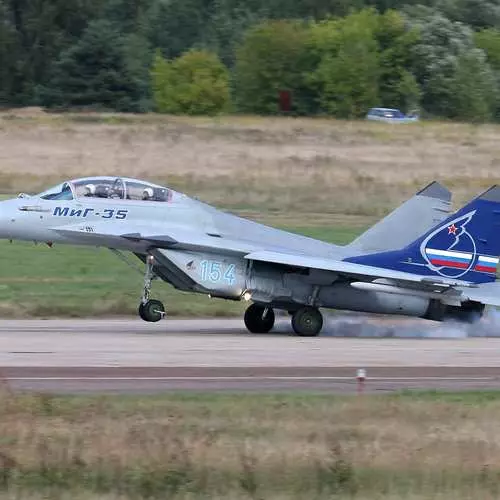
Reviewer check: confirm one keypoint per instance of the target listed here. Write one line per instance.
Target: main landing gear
(306, 321)
(150, 309)
(259, 319)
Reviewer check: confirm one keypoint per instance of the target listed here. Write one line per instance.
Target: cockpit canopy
(118, 188)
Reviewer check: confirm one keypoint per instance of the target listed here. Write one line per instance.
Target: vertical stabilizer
(415, 216)
(465, 246)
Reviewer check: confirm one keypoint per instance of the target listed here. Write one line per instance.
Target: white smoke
(356, 325)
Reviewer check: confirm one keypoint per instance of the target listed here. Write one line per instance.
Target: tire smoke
(355, 325)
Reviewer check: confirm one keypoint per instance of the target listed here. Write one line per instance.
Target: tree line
(332, 57)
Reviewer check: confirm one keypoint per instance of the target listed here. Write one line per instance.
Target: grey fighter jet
(420, 260)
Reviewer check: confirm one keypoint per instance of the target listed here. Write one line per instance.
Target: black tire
(259, 319)
(141, 312)
(152, 311)
(307, 322)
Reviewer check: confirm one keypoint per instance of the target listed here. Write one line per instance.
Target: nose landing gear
(150, 310)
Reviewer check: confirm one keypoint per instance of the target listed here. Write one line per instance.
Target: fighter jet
(419, 261)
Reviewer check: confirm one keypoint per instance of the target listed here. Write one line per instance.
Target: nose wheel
(150, 310)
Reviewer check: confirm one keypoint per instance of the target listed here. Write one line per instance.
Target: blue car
(390, 115)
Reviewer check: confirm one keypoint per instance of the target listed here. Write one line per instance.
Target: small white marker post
(361, 377)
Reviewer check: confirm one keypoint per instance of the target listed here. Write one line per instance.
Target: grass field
(194, 446)
(325, 178)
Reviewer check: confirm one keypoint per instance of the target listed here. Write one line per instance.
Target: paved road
(132, 356)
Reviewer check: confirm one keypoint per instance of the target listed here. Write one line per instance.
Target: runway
(130, 356)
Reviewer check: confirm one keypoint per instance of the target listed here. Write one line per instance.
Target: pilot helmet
(89, 190)
(148, 193)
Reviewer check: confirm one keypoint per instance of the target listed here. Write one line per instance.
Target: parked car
(390, 115)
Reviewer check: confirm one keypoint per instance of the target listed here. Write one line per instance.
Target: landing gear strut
(259, 319)
(307, 322)
(149, 309)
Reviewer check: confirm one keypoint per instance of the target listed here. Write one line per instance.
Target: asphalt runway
(130, 356)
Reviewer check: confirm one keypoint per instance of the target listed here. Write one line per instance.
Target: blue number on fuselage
(229, 274)
(215, 272)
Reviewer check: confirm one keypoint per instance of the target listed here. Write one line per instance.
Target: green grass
(250, 446)
(36, 280)
(474, 398)
(337, 235)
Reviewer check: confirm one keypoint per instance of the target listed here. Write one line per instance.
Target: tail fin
(424, 210)
(466, 245)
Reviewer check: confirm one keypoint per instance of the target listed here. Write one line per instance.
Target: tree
(397, 86)
(9, 53)
(436, 60)
(178, 25)
(272, 58)
(476, 13)
(42, 29)
(229, 21)
(196, 83)
(384, 5)
(347, 73)
(474, 88)
(128, 16)
(97, 72)
(311, 9)
(456, 79)
(489, 41)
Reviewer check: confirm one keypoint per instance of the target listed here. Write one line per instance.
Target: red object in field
(285, 100)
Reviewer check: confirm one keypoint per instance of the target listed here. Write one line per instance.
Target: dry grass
(286, 165)
(251, 447)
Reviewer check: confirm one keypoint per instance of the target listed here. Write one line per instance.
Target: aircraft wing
(353, 270)
(450, 291)
(487, 293)
(109, 234)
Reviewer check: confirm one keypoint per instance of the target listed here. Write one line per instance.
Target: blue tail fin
(465, 246)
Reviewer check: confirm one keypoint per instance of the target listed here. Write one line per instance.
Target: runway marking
(240, 378)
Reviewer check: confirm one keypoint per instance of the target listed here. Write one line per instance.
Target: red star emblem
(452, 229)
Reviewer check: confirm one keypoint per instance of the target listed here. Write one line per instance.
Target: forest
(329, 57)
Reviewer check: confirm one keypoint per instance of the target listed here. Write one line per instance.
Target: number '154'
(216, 272)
